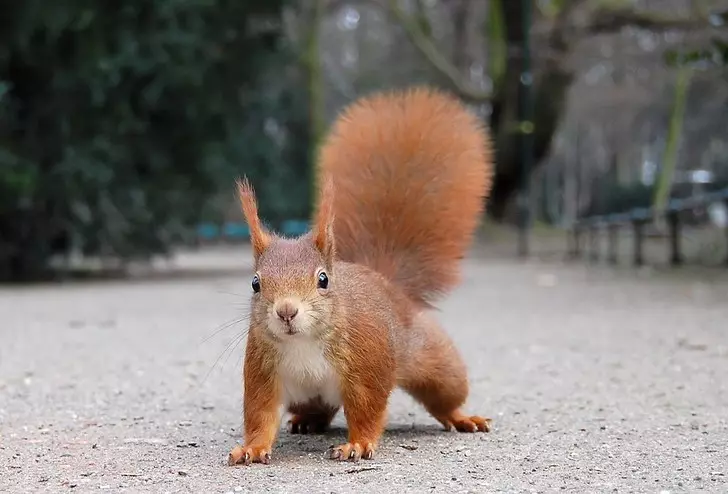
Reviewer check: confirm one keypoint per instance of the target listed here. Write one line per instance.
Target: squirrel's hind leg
(313, 417)
(433, 373)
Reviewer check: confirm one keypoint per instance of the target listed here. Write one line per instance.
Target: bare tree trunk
(550, 88)
(311, 19)
(460, 13)
(312, 63)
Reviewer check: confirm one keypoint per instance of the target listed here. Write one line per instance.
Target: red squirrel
(342, 314)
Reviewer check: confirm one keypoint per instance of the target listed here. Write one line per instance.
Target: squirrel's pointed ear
(259, 237)
(323, 231)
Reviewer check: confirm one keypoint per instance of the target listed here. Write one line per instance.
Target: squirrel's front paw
(352, 451)
(248, 454)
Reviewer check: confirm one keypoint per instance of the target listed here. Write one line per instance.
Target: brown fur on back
(411, 171)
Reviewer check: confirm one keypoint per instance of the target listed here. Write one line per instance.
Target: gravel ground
(597, 381)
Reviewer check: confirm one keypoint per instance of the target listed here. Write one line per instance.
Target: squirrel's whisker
(225, 326)
(230, 347)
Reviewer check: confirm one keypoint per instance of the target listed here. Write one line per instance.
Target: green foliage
(123, 123)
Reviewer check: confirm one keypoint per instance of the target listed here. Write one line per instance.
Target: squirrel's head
(294, 280)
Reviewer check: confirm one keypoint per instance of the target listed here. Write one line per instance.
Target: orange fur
(260, 406)
(323, 229)
(411, 170)
(258, 236)
(340, 315)
(432, 371)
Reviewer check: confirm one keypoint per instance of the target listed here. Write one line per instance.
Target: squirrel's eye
(323, 280)
(256, 284)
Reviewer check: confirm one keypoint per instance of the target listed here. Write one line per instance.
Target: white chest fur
(306, 374)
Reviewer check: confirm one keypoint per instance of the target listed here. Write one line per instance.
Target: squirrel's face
(293, 282)
(292, 289)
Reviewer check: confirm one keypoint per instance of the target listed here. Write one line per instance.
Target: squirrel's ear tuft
(323, 231)
(259, 237)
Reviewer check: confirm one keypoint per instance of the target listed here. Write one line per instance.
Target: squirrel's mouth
(289, 328)
(285, 317)
(284, 328)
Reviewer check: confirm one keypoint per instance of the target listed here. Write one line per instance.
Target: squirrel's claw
(247, 455)
(483, 423)
(351, 452)
(464, 423)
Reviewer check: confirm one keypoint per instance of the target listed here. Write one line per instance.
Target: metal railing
(231, 232)
(638, 218)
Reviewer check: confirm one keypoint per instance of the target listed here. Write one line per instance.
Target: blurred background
(124, 124)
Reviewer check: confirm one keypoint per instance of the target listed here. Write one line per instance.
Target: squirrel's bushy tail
(411, 171)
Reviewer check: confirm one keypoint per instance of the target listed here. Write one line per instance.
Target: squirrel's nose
(287, 312)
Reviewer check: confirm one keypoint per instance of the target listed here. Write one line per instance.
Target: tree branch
(427, 47)
(610, 20)
(560, 28)
(333, 6)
